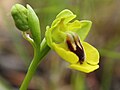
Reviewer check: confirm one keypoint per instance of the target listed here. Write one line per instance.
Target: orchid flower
(66, 38)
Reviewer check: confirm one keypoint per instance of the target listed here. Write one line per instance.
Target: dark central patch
(75, 46)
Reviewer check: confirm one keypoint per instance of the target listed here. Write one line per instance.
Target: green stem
(39, 53)
(108, 69)
(31, 70)
(78, 81)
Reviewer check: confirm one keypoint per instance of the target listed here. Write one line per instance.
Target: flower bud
(19, 14)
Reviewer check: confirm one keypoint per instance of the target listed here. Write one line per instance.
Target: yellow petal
(65, 54)
(84, 67)
(91, 54)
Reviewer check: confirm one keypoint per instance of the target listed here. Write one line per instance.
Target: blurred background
(53, 74)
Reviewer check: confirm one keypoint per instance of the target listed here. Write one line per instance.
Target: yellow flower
(66, 38)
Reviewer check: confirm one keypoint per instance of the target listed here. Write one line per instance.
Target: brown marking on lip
(76, 47)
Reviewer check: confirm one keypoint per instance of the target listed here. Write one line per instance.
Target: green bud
(19, 14)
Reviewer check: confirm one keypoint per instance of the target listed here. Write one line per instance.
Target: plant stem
(31, 69)
(39, 53)
(78, 81)
(108, 69)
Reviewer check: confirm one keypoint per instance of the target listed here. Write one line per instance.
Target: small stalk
(39, 53)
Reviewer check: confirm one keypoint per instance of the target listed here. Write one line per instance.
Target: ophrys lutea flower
(67, 39)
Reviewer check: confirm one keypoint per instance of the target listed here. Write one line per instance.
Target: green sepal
(85, 28)
(82, 28)
(34, 25)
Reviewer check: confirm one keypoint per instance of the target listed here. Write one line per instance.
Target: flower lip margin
(86, 68)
